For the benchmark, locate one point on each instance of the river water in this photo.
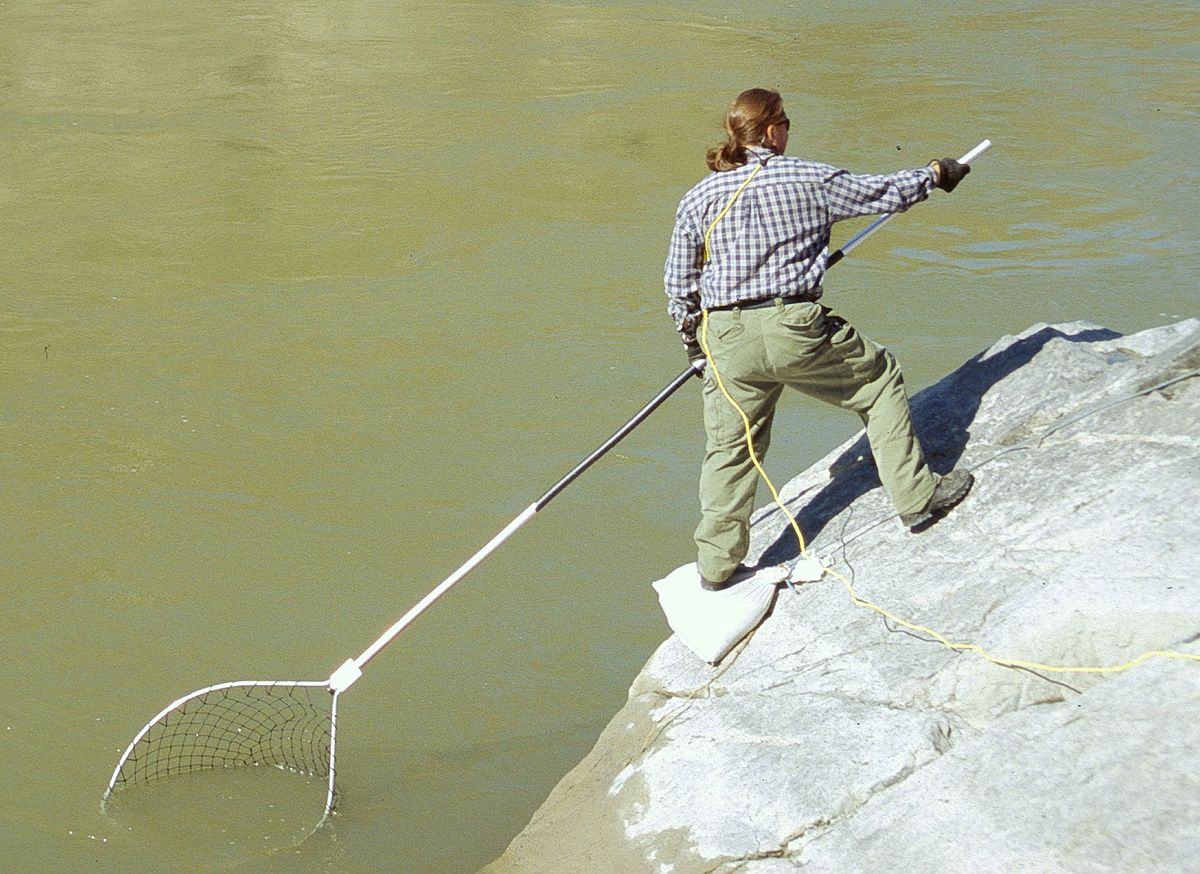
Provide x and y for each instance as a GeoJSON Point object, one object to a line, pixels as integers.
{"type": "Point", "coordinates": [300, 303]}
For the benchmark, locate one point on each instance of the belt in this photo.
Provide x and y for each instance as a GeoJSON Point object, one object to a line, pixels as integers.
{"type": "Point", "coordinates": [769, 302]}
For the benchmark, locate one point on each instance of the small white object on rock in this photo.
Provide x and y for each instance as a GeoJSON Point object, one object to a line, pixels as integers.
{"type": "Point", "coordinates": [807, 570]}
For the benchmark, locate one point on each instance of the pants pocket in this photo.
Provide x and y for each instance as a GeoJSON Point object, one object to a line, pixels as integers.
{"type": "Point", "coordinates": [724, 331]}
{"type": "Point", "coordinates": [805, 319]}
{"type": "Point", "coordinates": [722, 424]}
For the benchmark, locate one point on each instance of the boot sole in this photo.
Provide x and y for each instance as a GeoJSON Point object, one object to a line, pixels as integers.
{"type": "Point", "coordinates": [921, 521]}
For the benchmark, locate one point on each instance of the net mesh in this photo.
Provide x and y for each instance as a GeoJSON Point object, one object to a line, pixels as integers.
{"type": "Point", "coordinates": [286, 724]}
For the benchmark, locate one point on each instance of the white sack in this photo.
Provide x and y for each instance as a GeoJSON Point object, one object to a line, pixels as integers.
{"type": "Point", "coordinates": [710, 624]}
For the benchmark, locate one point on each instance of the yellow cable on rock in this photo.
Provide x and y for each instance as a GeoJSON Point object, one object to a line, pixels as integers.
{"type": "Point", "coordinates": [887, 614]}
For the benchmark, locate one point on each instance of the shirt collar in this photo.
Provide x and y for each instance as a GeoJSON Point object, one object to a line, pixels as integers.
{"type": "Point", "coordinates": [762, 153]}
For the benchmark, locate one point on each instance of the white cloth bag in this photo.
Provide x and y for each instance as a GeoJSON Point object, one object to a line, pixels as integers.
{"type": "Point", "coordinates": [710, 624]}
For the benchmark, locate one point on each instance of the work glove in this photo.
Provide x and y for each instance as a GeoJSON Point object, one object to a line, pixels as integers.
{"type": "Point", "coordinates": [950, 173]}
{"type": "Point", "coordinates": [692, 347]}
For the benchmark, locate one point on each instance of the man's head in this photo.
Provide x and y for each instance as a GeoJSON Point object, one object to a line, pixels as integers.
{"type": "Point", "coordinates": [755, 118]}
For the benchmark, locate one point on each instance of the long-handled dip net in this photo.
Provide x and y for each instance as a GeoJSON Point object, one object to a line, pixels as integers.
{"type": "Point", "coordinates": [293, 724]}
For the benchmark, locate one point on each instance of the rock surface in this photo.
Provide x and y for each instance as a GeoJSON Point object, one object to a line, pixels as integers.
{"type": "Point", "coordinates": [837, 741]}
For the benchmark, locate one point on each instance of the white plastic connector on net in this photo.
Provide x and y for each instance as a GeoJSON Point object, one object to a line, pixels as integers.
{"type": "Point", "coordinates": [345, 676]}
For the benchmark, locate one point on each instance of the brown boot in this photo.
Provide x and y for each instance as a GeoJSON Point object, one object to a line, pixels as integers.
{"type": "Point", "coordinates": [949, 490]}
{"type": "Point", "coordinates": [740, 573]}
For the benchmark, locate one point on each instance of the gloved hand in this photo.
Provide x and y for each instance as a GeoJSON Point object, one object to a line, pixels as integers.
{"type": "Point", "coordinates": [949, 173]}
{"type": "Point", "coordinates": [692, 347]}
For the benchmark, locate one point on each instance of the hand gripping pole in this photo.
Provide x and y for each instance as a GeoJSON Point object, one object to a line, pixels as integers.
{"type": "Point", "coordinates": [884, 219]}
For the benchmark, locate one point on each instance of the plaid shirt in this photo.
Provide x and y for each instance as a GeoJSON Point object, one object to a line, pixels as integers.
{"type": "Point", "coordinates": [774, 241]}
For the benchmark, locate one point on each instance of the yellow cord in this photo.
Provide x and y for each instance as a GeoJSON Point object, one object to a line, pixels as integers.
{"type": "Point", "coordinates": [749, 438]}
{"type": "Point", "coordinates": [705, 256]}
{"type": "Point", "coordinates": [912, 626]}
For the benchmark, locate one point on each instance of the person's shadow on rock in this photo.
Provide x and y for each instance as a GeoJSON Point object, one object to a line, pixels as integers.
{"type": "Point", "coordinates": [942, 416]}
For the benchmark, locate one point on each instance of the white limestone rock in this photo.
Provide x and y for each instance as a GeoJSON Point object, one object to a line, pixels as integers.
{"type": "Point", "coordinates": [838, 741]}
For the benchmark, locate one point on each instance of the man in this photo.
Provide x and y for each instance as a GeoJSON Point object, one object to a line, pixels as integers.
{"type": "Point", "coordinates": [745, 268]}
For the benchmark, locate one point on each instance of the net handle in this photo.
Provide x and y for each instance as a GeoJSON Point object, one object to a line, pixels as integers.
{"type": "Point", "coordinates": [351, 670]}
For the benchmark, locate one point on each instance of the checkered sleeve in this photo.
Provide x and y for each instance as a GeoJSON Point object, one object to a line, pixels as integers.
{"type": "Point", "coordinates": [850, 195]}
{"type": "Point", "coordinates": [681, 274]}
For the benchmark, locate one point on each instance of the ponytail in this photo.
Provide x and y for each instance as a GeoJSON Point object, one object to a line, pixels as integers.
{"type": "Point", "coordinates": [726, 156]}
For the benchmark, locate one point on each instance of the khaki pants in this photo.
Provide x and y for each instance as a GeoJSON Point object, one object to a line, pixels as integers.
{"type": "Point", "coordinates": [803, 345]}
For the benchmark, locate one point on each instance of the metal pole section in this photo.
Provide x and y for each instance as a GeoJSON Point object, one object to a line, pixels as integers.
{"type": "Point", "coordinates": [694, 370]}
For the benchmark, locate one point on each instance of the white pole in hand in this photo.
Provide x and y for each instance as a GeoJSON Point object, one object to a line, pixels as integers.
{"type": "Point", "coordinates": [884, 219]}
{"type": "Point", "coordinates": [975, 152]}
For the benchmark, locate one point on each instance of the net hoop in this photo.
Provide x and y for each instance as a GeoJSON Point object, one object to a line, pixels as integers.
{"type": "Point", "coordinates": [245, 722]}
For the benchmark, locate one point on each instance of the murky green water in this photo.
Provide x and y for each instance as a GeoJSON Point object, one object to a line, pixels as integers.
{"type": "Point", "coordinates": [300, 303]}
